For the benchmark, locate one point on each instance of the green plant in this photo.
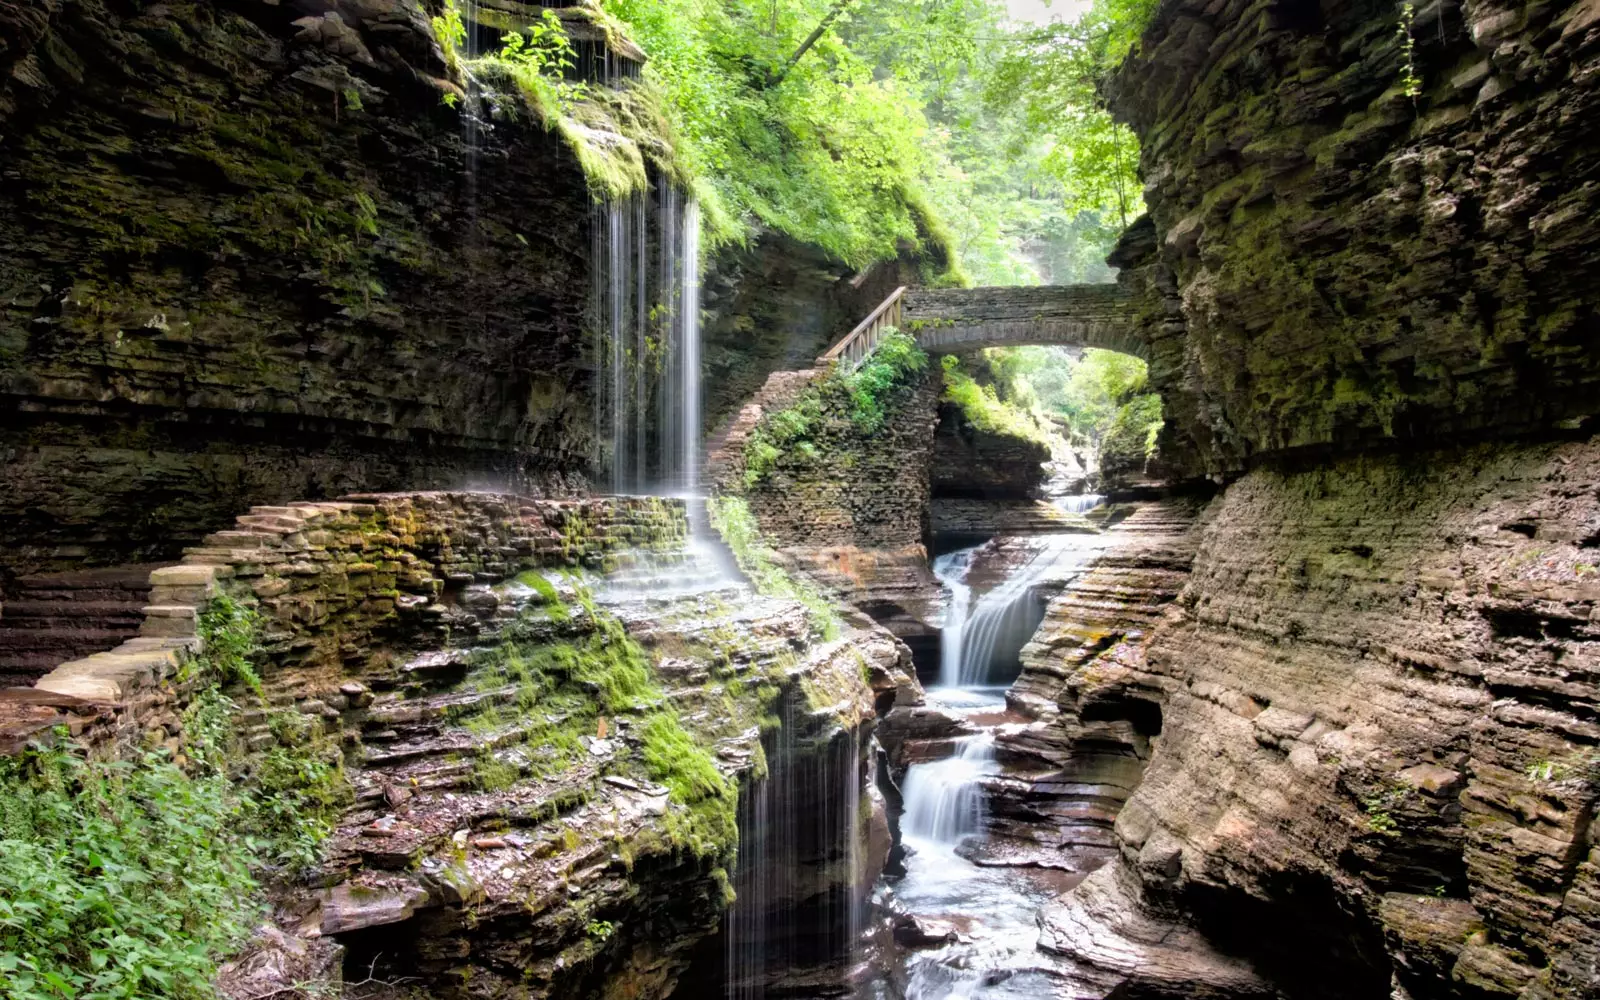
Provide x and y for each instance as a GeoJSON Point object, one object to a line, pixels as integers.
{"type": "Point", "coordinates": [229, 642]}
{"type": "Point", "coordinates": [600, 930]}
{"type": "Point", "coordinates": [451, 33]}
{"type": "Point", "coordinates": [1410, 82]}
{"type": "Point", "coordinates": [118, 879]}
{"type": "Point", "coordinates": [731, 518]}
{"type": "Point", "coordinates": [890, 366]}
{"type": "Point", "coordinates": [1378, 808]}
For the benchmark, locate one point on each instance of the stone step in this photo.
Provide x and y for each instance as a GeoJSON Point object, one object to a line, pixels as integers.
{"type": "Point", "coordinates": [32, 639]}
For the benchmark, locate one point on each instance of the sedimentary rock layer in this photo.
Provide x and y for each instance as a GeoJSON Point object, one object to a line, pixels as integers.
{"type": "Point", "coordinates": [1378, 741]}
{"type": "Point", "coordinates": [1372, 222]}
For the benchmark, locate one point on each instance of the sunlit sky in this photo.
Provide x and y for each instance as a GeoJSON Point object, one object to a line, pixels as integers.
{"type": "Point", "coordinates": [1045, 11]}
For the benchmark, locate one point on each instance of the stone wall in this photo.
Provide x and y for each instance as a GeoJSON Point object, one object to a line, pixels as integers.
{"type": "Point", "coordinates": [868, 491]}
{"type": "Point", "coordinates": [1357, 267]}
{"type": "Point", "coordinates": [244, 260]}
{"type": "Point", "coordinates": [343, 589]}
{"type": "Point", "coordinates": [1376, 769]}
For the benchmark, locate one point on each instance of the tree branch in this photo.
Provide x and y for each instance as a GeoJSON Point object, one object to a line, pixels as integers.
{"type": "Point", "coordinates": [811, 39]}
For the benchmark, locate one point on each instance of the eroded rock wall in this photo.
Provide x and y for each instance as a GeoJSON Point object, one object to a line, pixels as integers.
{"type": "Point", "coordinates": [243, 259]}
{"type": "Point", "coordinates": [1339, 263]}
{"type": "Point", "coordinates": [1378, 732]}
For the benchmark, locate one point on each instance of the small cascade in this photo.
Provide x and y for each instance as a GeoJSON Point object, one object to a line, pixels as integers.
{"type": "Point", "coordinates": [944, 799]}
{"type": "Point", "coordinates": [797, 917]}
{"type": "Point", "coordinates": [984, 635]}
{"type": "Point", "coordinates": [1082, 503]}
{"type": "Point", "coordinates": [951, 570]}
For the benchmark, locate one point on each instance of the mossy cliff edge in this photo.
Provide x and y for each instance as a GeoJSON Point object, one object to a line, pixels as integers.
{"type": "Point", "coordinates": [531, 783]}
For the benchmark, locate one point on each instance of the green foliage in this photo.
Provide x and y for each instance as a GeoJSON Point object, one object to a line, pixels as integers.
{"type": "Point", "coordinates": [600, 930]}
{"type": "Point", "coordinates": [228, 636]}
{"type": "Point", "coordinates": [827, 155]}
{"type": "Point", "coordinates": [293, 796]}
{"type": "Point", "coordinates": [451, 33]}
{"type": "Point", "coordinates": [1101, 395]}
{"type": "Point", "coordinates": [118, 879]}
{"type": "Point", "coordinates": [869, 394]}
{"type": "Point", "coordinates": [891, 366]}
{"type": "Point", "coordinates": [1410, 82]}
{"type": "Point", "coordinates": [731, 518]}
{"type": "Point", "coordinates": [673, 758]}
{"type": "Point", "coordinates": [985, 410]}
{"type": "Point", "coordinates": [1131, 438]}
{"type": "Point", "coordinates": [1053, 78]}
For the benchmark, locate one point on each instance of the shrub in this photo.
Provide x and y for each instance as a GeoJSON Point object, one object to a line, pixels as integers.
{"type": "Point", "coordinates": [864, 397]}
{"type": "Point", "coordinates": [118, 879]}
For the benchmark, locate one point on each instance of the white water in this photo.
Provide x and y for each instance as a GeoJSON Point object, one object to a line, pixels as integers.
{"type": "Point", "coordinates": [645, 310]}
{"type": "Point", "coordinates": [1000, 621]}
{"type": "Point", "coordinates": [944, 798]}
{"type": "Point", "coordinates": [1079, 504]}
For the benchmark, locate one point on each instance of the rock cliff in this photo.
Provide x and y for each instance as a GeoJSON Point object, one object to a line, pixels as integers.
{"type": "Point", "coordinates": [1370, 226]}
{"type": "Point", "coordinates": [1374, 772]}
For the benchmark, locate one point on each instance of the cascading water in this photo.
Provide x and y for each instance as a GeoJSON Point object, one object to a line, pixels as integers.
{"type": "Point", "coordinates": [645, 304]}
{"type": "Point", "coordinates": [798, 909]}
{"type": "Point", "coordinates": [980, 636]}
{"type": "Point", "coordinates": [1080, 504]}
{"type": "Point", "coordinates": [983, 912]}
{"type": "Point", "coordinates": [944, 799]}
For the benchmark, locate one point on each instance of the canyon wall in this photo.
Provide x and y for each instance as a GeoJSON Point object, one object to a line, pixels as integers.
{"type": "Point", "coordinates": [1369, 227]}
{"type": "Point", "coordinates": [1378, 763]}
{"type": "Point", "coordinates": [250, 258]}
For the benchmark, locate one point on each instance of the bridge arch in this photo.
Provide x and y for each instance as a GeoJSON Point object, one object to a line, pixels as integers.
{"type": "Point", "coordinates": [962, 320]}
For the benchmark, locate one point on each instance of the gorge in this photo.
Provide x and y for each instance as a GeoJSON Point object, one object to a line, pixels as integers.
{"type": "Point", "coordinates": [622, 500]}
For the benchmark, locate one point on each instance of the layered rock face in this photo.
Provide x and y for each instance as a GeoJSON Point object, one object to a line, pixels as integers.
{"type": "Point", "coordinates": [542, 769]}
{"type": "Point", "coordinates": [1337, 262]}
{"type": "Point", "coordinates": [246, 257]}
{"type": "Point", "coordinates": [1375, 769]}
{"type": "Point", "coordinates": [971, 463]}
{"type": "Point", "coordinates": [1377, 696]}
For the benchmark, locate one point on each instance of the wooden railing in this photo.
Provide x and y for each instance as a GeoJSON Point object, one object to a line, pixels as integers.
{"type": "Point", "coordinates": [861, 341]}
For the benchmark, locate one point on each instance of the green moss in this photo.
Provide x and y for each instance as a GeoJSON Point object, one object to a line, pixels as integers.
{"type": "Point", "coordinates": [731, 518]}
{"type": "Point", "coordinates": [811, 428]}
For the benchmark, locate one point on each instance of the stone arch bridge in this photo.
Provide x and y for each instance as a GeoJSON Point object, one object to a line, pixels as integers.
{"type": "Point", "coordinates": [959, 320]}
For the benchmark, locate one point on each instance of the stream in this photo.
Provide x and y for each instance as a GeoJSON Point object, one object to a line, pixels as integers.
{"type": "Point", "coordinates": [971, 927]}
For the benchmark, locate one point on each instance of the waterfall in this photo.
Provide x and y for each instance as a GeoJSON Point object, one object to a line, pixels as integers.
{"type": "Point", "coordinates": [798, 883]}
{"type": "Point", "coordinates": [978, 634]}
{"type": "Point", "coordinates": [1079, 504]}
{"type": "Point", "coordinates": [944, 798]}
{"type": "Point", "coordinates": [645, 310]}
{"type": "Point", "coordinates": [951, 570]}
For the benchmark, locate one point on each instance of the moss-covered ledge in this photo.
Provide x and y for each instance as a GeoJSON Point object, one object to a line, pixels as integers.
{"type": "Point", "coordinates": [331, 581]}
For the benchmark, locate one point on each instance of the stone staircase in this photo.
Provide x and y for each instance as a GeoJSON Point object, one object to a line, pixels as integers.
{"type": "Point", "coordinates": [50, 618]}
{"type": "Point", "coordinates": [725, 447]}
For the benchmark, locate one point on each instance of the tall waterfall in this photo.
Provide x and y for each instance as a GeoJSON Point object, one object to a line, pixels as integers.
{"type": "Point", "coordinates": [799, 887]}
{"type": "Point", "coordinates": [645, 310]}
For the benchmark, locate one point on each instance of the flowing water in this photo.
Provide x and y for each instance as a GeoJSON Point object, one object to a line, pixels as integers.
{"type": "Point", "coordinates": [979, 938]}
{"type": "Point", "coordinates": [984, 631]}
{"type": "Point", "coordinates": [645, 311]}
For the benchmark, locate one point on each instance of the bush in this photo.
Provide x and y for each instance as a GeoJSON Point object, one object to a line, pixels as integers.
{"type": "Point", "coordinates": [118, 879]}
{"type": "Point", "coordinates": [888, 368]}
{"type": "Point", "coordinates": [984, 409]}
{"type": "Point", "coordinates": [865, 397]}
